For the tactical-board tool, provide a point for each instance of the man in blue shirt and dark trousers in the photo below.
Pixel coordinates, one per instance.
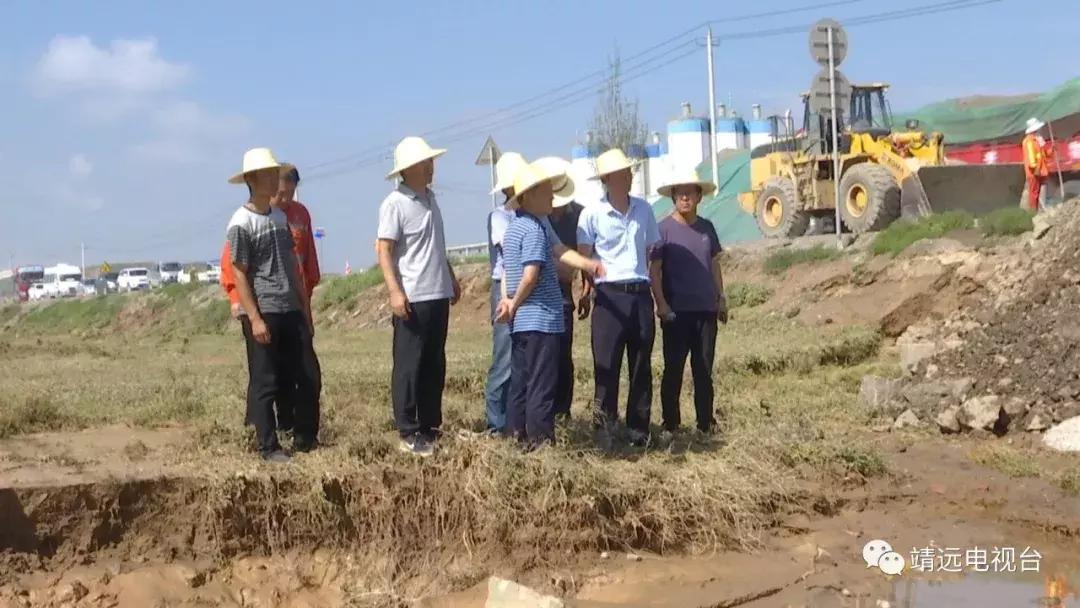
(534, 307)
(497, 387)
(619, 230)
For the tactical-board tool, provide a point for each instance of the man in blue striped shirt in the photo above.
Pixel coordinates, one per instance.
(534, 308)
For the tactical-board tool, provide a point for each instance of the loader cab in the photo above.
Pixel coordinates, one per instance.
(870, 112)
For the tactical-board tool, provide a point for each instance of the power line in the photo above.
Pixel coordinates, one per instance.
(583, 93)
(592, 75)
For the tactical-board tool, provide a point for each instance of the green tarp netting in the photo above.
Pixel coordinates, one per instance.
(983, 118)
(722, 209)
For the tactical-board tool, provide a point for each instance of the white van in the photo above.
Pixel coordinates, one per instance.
(37, 291)
(131, 279)
(63, 281)
(168, 272)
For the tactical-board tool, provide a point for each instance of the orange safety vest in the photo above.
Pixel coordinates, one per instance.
(1034, 156)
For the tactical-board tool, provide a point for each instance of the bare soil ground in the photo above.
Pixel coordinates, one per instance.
(126, 480)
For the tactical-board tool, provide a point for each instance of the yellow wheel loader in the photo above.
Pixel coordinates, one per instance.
(884, 174)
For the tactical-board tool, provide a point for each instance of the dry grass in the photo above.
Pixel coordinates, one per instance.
(787, 394)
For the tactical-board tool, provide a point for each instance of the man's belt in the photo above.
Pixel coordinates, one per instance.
(626, 287)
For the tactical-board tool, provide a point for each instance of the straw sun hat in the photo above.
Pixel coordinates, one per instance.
(536, 173)
(506, 169)
(412, 151)
(612, 161)
(686, 178)
(1033, 125)
(255, 159)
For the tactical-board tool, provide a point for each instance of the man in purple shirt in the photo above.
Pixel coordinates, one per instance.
(685, 263)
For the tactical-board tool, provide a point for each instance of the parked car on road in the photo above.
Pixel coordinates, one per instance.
(109, 280)
(63, 281)
(37, 291)
(211, 274)
(168, 272)
(90, 287)
(131, 279)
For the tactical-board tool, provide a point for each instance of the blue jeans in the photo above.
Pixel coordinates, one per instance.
(498, 379)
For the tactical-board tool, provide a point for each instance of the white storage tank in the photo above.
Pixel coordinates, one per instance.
(688, 140)
(583, 166)
(656, 163)
(759, 129)
(640, 186)
(730, 130)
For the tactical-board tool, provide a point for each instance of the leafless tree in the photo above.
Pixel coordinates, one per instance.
(615, 122)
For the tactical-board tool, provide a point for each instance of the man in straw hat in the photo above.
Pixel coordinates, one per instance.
(565, 212)
(308, 266)
(276, 328)
(534, 303)
(498, 380)
(1036, 152)
(422, 286)
(691, 299)
(620, 229)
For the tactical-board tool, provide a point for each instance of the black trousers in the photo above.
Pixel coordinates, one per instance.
(564, 391)
(312, 370)
(419, 373)
(268, 367)
(694, 334)
(534, 371)
(623, 322)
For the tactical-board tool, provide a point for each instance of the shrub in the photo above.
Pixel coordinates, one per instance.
(747, 294)
(786, 258)
(1006, 222)
(900, 234)
(344, 290)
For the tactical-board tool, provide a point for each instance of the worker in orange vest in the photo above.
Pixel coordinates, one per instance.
(1036, 151)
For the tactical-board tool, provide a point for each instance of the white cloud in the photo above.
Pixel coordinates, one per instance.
(133, 67)
(79, 166)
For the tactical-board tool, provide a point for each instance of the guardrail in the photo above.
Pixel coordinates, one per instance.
(465, 251)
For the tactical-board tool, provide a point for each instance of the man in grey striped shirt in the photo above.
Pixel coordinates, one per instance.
(276, 326)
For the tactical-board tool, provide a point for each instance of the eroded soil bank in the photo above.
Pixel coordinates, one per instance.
(184, 541)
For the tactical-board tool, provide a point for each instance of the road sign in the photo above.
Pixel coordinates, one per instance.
(105, 267)
(320, 233)
(820, 94)
(489, 154)
(819, 42)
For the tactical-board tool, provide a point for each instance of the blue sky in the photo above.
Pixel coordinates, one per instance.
(121, 120)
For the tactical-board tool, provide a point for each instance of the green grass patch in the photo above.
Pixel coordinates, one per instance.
(1069, 481)
(747, 294)
(343, 291)
(67, 315)
(8, 312)
(32, 415)
(780, 261)
(1006, 222)
(901, 234)
(1006, 460)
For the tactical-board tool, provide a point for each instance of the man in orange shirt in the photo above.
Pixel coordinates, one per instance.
(308, 261)
(1036, 152)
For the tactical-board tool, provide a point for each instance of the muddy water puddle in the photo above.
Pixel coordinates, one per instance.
(983, 591)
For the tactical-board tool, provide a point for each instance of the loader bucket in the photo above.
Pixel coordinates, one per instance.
(977, 189)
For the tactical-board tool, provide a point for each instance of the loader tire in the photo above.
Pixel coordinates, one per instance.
(869, 198)
(776, 212)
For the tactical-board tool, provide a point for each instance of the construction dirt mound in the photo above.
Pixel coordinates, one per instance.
(1012, 361)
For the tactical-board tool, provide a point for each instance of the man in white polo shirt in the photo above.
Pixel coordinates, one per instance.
(619, 229)
(422, 286)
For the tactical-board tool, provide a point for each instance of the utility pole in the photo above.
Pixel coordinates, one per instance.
(494, 181)
(712, 108)
(835, 138)
(82, 255)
